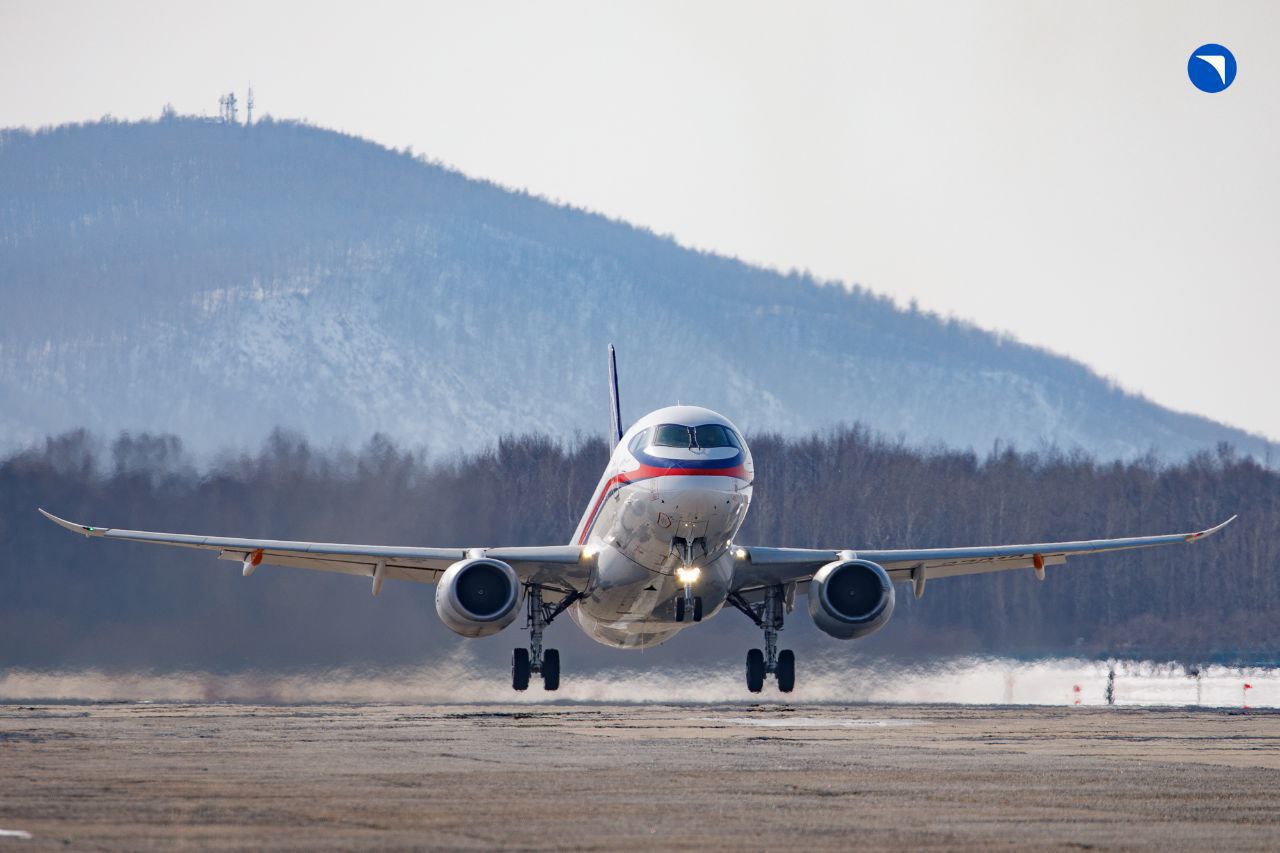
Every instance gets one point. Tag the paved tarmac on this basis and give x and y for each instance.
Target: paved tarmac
(140, 776)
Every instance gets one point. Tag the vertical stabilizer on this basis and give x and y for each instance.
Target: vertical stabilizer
(615, 406)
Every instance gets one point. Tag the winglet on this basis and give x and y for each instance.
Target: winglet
(82, 529)
(1192, 537)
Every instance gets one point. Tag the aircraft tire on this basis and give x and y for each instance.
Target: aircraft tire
(680, 609)
(551, 669)
(786, 673)
(520, 669)
(755, 670)
(697, 609)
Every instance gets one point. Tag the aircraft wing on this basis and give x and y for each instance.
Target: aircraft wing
(565, 566)
(760, 567)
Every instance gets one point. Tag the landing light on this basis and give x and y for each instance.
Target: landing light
(688, 575)
(589, 551)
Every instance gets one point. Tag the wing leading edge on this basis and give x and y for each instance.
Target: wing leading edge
(554, 565)
(759, 567)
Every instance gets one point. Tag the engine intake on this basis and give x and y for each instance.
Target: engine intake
(479, 597)
(850, 598)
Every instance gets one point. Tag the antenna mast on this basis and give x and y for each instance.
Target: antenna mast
(248, 106)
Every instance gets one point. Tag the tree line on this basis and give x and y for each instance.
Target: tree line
(65, 601)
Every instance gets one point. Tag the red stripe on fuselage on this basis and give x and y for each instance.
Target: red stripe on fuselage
(649, 472)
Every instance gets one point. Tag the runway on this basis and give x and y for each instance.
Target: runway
(637, 776)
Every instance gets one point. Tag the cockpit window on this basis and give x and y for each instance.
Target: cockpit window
(671, 435)
(714, 435)
(705, 436)
(640, 442)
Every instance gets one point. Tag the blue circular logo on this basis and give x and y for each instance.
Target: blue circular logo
(1211, 68)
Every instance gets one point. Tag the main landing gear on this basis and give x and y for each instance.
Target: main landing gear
(525, 662)
(767, 614)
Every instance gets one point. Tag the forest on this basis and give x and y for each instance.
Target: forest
(65, 601)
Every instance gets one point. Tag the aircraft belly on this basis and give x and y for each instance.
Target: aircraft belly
(631, 606)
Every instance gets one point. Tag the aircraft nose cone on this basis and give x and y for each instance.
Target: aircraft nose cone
(697, 512)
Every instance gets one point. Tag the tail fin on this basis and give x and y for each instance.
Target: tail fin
(615, 406)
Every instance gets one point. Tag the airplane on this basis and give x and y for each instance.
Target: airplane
(655, 553)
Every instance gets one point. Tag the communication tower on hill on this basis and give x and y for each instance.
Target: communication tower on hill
(227, 108)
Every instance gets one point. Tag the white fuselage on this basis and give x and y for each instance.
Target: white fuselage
(661, 507)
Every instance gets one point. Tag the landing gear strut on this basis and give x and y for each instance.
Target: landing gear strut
(767, 614)
(524, 662)
(687, 575)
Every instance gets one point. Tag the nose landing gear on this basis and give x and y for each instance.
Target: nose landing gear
(767, 614)
(690, 604)
(688, 575)
(525, 662)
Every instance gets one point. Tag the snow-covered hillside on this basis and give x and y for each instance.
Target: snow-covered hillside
(216, 282)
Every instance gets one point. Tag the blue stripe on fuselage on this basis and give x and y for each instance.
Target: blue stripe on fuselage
(659, 462)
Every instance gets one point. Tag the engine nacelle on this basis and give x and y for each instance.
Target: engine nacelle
(479, 597)
(850, 598)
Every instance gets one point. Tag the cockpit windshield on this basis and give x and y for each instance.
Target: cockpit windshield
(670, 435)
(714, 435)
(704, 436)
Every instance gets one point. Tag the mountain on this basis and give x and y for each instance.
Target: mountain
(216, 281)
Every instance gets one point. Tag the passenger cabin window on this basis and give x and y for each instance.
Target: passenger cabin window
(679, 435)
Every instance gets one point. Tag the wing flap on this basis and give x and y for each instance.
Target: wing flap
(972, 567)
(347, 566)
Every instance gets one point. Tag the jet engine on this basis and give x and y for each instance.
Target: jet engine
(850, 598)
(479, 597)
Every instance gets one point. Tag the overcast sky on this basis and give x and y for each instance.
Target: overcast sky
(1042, 169)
